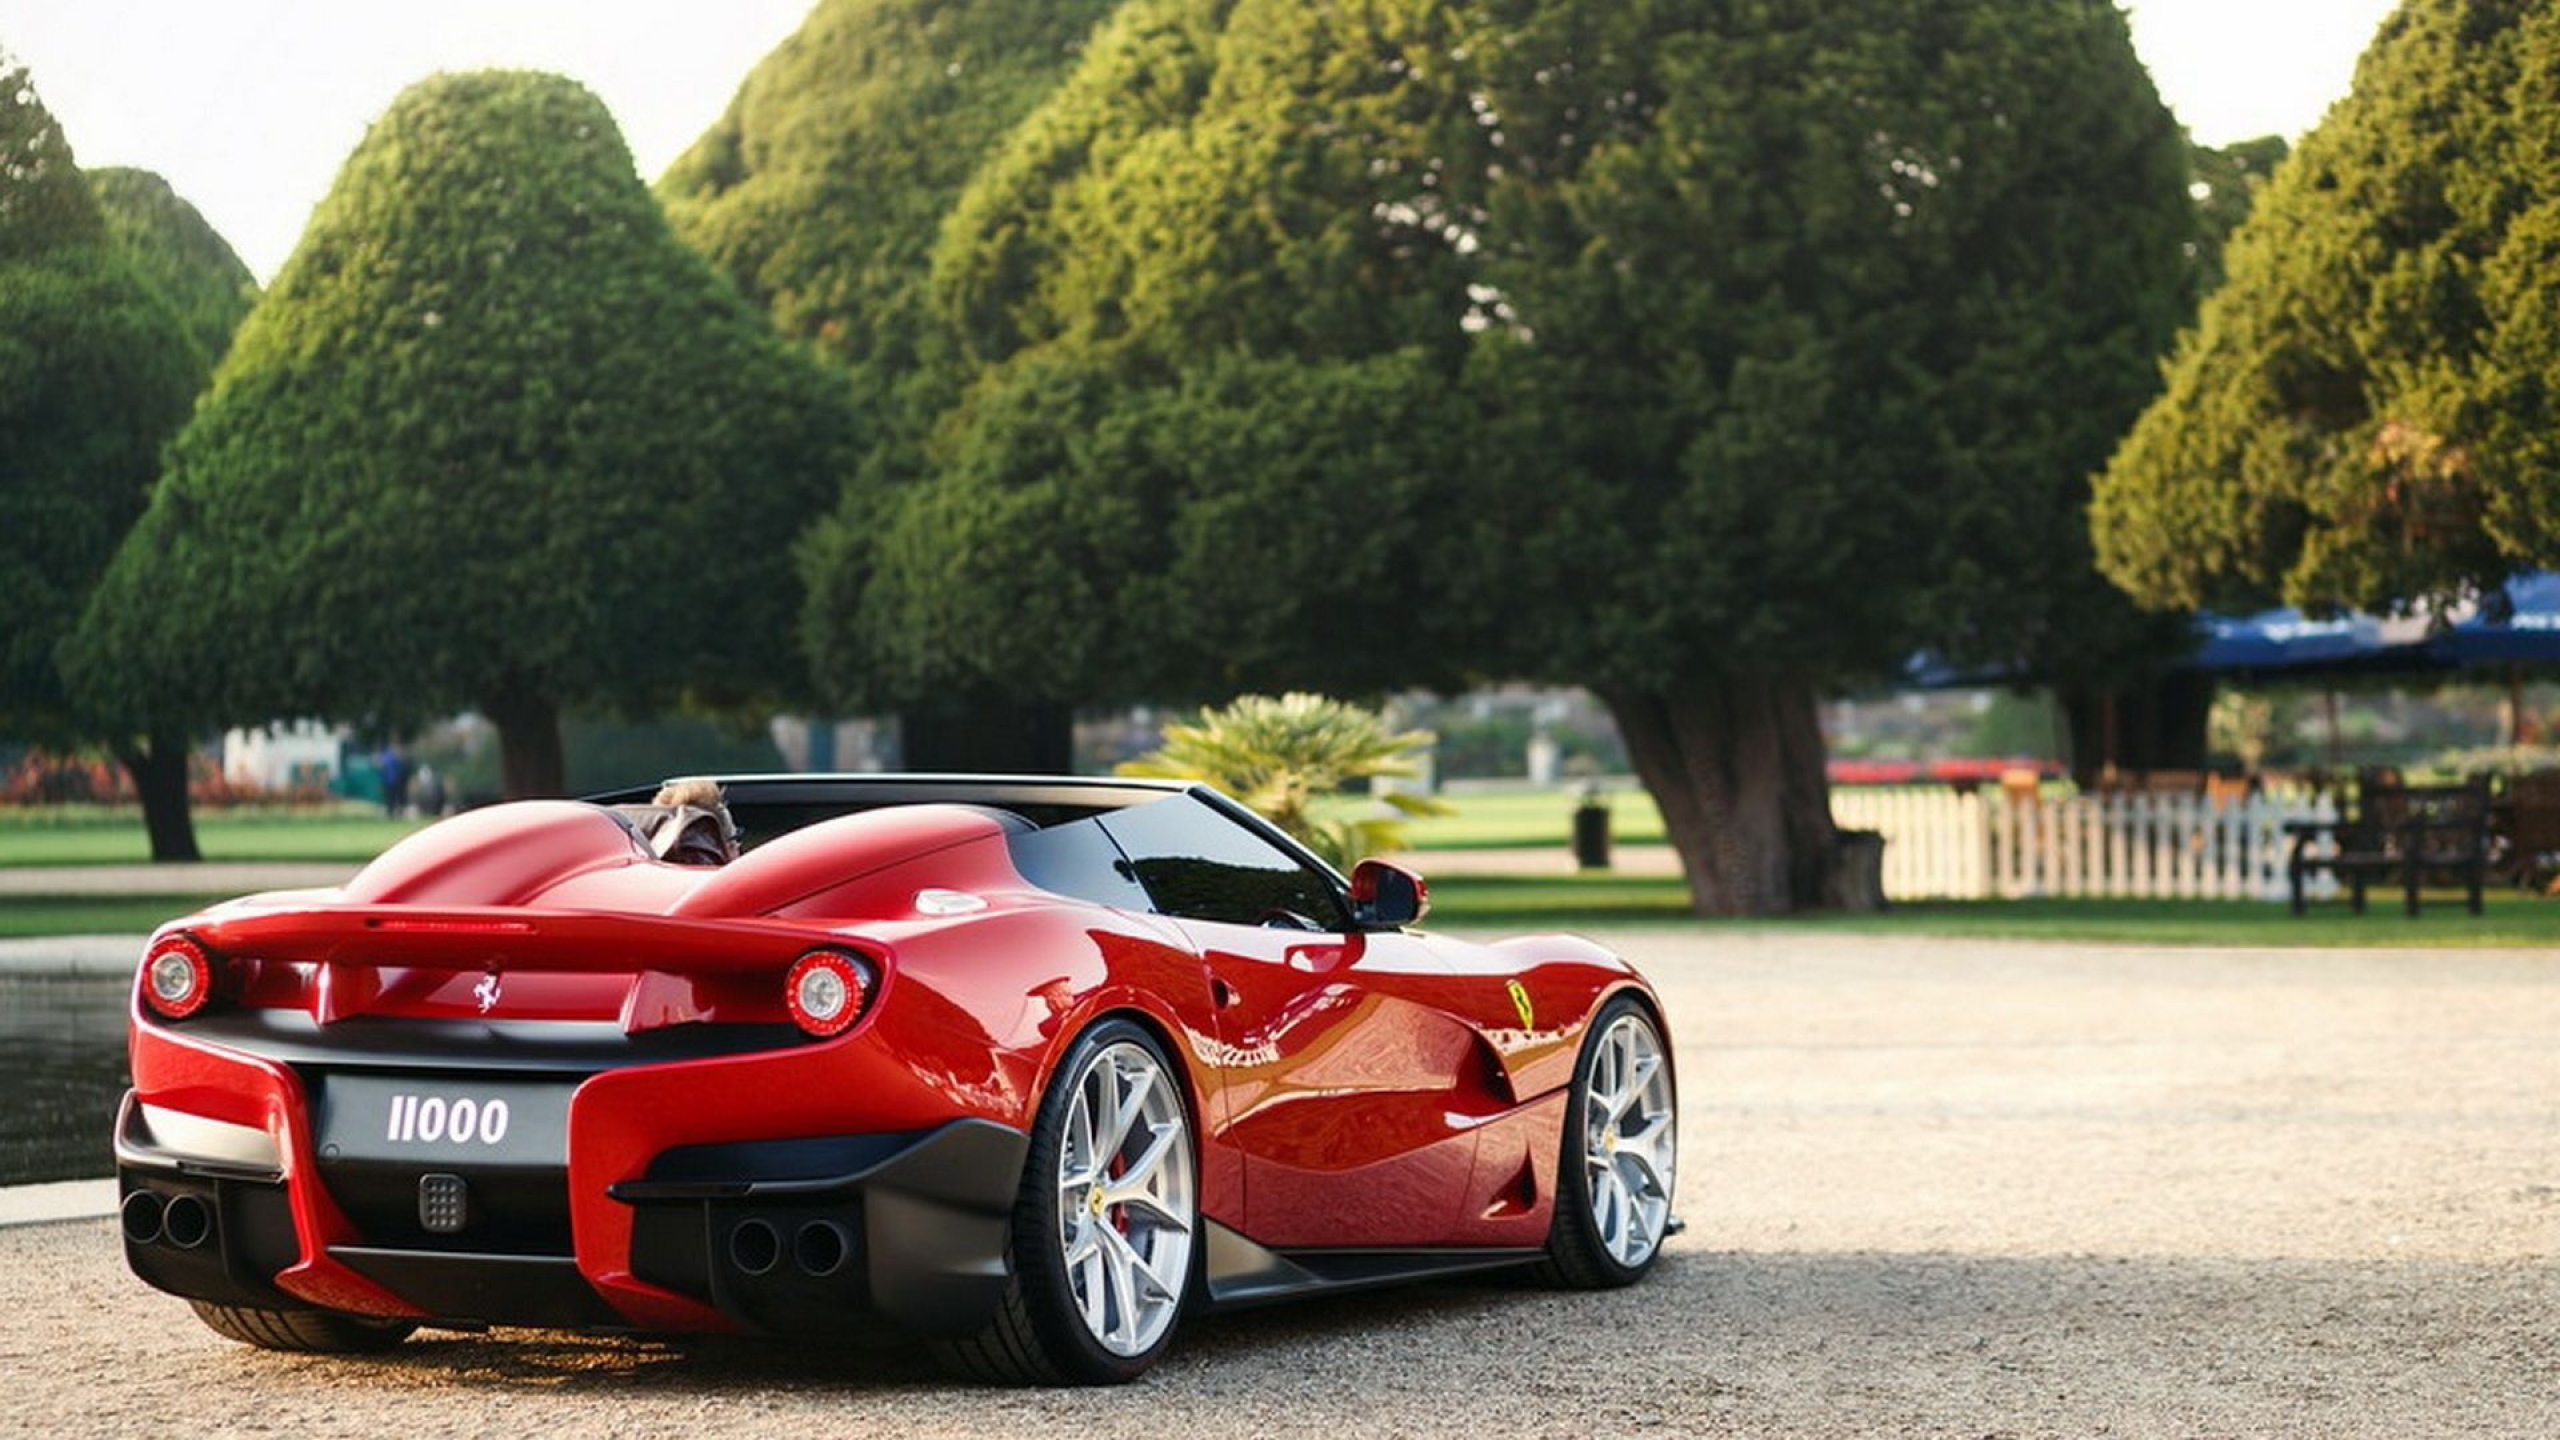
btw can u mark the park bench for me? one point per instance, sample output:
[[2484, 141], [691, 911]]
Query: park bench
[[2411, 831], [2533, 828]]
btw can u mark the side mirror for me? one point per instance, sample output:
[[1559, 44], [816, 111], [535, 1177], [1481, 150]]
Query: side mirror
[[1387, 897]]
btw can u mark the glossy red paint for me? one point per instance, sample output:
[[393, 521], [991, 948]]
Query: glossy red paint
[[1350, 1090], [176, 1073]]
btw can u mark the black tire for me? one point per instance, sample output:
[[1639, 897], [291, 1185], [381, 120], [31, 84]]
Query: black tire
[[307, 1332], [1577, 1257], [1036, 1336]]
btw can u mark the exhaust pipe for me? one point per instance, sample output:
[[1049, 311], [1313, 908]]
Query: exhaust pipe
[[754, 1247], [187, 1221], [822, 1247], [142, 1220]]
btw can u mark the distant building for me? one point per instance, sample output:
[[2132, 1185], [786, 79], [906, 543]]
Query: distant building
[[284, 757]]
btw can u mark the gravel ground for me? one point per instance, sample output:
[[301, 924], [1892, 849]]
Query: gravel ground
[[1933, 1188]]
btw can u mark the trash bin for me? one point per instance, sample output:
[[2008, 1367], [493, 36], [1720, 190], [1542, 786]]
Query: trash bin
[[1858, 883], [1591, 836]]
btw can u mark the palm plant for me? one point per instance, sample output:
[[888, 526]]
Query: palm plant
[[1281, 756]]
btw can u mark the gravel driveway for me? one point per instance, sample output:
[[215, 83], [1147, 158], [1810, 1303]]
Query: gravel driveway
[[1932, 1188]]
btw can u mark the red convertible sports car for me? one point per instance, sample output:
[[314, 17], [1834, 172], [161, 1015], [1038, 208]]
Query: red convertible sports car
[[1030, 1068]]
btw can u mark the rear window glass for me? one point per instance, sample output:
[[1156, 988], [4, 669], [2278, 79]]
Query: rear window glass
[[1078, 860]]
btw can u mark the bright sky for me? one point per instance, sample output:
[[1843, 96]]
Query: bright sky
[[249, 106]]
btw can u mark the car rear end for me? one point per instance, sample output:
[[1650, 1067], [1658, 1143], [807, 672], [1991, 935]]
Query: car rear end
[[502, 1115]]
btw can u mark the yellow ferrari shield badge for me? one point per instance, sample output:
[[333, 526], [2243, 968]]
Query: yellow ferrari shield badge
[[1520, 1002]]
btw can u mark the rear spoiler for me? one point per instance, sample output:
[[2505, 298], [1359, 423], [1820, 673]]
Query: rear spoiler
[[350, 946], [505, 937]]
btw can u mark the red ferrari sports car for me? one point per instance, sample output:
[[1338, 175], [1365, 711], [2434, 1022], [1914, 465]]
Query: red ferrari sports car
[[1030, 1068]]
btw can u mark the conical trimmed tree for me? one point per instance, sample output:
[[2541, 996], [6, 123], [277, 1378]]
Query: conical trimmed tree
[[494, 438], [172, 245], [2368, 412], [821, 191], [95, 374]]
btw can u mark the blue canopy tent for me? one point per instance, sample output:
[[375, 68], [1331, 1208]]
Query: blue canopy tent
[[2516, 626], [2520, 625], [2287, 639]]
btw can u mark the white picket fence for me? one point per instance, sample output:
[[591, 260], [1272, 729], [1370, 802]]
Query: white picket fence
[[1942, 845]]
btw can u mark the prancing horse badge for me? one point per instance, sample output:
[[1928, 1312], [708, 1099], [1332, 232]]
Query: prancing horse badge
[[1520, 1002]]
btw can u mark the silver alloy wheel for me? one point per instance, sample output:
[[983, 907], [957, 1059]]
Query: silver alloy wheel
[[1629, 1145], [1126, 1198]]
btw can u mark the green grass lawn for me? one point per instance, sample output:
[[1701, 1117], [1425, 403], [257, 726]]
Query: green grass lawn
[[1485, 905], [1481, 905], [27, 915], [90, 836], [1508, 820]]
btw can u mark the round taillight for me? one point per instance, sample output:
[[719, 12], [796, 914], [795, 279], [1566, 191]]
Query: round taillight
[[826, 991], [177, 977]]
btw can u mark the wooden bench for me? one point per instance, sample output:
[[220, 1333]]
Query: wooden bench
[[2533, 828], [2410, 831]]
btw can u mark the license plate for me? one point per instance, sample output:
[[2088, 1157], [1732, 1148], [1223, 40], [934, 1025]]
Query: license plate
[[459, 1121]]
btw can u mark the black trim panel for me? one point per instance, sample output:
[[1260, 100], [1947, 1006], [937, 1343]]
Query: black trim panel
[[235, 1262], [1242, 1273], [539, 1290], [913, 1227]]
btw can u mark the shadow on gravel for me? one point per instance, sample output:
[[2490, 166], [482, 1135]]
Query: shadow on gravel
[[558, 1361], [1850, 1342]]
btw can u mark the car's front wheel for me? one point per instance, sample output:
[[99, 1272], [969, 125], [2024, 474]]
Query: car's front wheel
[[1106, 1228], [1615, 1187]]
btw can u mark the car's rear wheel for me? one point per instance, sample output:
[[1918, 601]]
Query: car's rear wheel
[[315, 1332], [1615, 1186], [1105, 1231]]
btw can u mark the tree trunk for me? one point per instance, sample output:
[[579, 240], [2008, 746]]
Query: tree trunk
[[988, 735], [159, 771], [1739, 773], [2158, 724], [530, 763]]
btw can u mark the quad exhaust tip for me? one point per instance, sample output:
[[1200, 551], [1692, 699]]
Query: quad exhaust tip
[[819, 1248], [186, 1221], [754, 1247], [822, 1247], [142, 1217]]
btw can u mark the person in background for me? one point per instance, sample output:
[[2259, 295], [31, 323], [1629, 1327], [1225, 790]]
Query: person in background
[[428, 788], [393, 767]]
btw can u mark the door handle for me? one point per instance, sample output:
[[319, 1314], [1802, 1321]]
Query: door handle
[[1222, 994]]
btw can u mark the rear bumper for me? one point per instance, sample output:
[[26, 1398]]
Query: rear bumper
[[645, 1207], [800, 1236]]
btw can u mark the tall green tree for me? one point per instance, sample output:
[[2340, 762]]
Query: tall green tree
[[172, 245], [95, 374], [1755, 346], [494, 438], [2139, 707], [2368, 412], [821, 191]]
